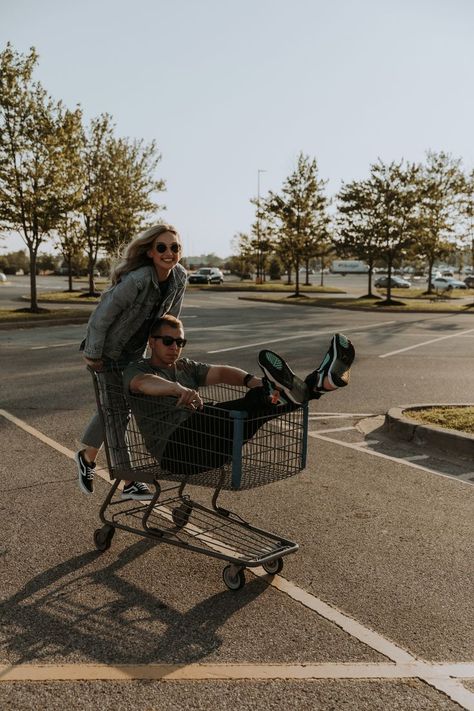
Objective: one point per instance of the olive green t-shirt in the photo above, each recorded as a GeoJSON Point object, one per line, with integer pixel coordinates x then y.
{"type": "Point", "coordinates": [158, 417]}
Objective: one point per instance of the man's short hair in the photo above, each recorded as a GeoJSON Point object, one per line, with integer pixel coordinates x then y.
{"type": "Point", "coordinates": [166, 320]}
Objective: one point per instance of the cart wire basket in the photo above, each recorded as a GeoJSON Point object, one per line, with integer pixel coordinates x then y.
{"type": "Point", "coordinates": [149, 439]}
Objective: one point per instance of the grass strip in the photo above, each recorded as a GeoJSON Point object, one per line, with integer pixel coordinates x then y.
{"type": "Point", "coordinates": [453, 418]}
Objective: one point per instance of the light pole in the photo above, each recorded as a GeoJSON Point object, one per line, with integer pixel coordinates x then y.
{"type": "Point", "coordinates": [259, 253]}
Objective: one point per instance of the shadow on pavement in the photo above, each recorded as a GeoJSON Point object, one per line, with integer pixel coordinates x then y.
{"type": "Point", "coordinates": [75, 613]}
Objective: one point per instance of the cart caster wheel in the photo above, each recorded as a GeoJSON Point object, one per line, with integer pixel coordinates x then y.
{"type": "Point", "coordinates": [181, 514]}
{"type": "Point", "coordinates": [103, 537]}
{"type": "Point", "coordinates": [234, 581]}
{"type": "Point", "coordinates": [273, 567]}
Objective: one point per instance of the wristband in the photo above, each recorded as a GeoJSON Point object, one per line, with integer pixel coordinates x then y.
{"type": "Point", "coordinates": [247, 379]}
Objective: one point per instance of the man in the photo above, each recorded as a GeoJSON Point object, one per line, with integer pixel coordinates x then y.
{"type": "Point", "coordinates": [187, 436]}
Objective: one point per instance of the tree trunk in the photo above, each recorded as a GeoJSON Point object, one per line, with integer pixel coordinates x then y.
{"type": "Point", "coordinates": [371, 269]}
{"type": "Point", "coordinates": [306, 265]}
{"type": "Point", "coordinates": [69, 272]}
{"type": "Point", "coordinates": [321, 281]}
{"type": "Point", "coordinates": [297, 278]}
{"type": "Point", "coordinates": [389, 284]}
{"type": "Point", "coordinates": [430, 276]}
{"type": "Point", "coordinates": [33, 291]}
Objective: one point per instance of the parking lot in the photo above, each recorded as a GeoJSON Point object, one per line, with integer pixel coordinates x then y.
{"type": "Point", "coordinates": [373, 612]}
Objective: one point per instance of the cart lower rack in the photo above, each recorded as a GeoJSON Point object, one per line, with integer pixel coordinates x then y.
{"type": "Point", "coordinates": [235, 449]}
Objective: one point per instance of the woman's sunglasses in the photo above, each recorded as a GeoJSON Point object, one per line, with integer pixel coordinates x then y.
{"type": "Point", "coordinates": [161, 247]}
{"type": "Point", "coordinates": [169, 340]}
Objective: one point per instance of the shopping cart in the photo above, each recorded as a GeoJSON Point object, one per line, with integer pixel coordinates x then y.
{"type": "Point", "coordinates": [137, 446]}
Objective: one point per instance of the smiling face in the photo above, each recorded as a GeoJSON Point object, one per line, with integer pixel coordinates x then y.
{"type": "Point", "coordinates": [165, 254]}
{"type": "Point", "coordinates": [163, 356]}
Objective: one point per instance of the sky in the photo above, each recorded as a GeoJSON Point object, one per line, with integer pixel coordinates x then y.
{"type": "Point", "coordinates": [228, 89]}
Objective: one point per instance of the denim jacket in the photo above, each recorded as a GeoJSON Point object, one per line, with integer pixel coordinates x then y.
{"type": "Point", "coordinates": [124, 307]}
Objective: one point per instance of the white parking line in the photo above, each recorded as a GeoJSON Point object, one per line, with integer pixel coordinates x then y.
{"type": "Point", "coordinates": [359, 447]}
{"type": "Point", "coordinates": [339, 415]}
{"type": "Point", "coordinates": [336, 429]}
{"type": "Point", "coordinates": [440, 676]}
{"type": "Point", "coordinates": [426, 343]}
{"type": "Point", "coordinates": [54, 345]}
{"type": "Point", "coordinates": [304, 334]}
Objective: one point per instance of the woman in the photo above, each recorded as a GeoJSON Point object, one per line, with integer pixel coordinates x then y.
{"type": "Point", "coordinates": [146, 284]}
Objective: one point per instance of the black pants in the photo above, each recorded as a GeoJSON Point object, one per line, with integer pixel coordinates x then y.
{"type": "Point", "coordinates": [205, 440]}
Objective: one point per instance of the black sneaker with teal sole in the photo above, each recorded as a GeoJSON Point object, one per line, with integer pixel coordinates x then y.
{"type": "Point", "coordinates": [137, 490]}
{"type": "Point", "coordinates": [282, 378]}
{"type": "Point", "coordinates": [335, 366]}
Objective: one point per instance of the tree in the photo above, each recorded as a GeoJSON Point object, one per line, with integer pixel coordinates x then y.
{"type": "Point", "coordinates": [300, 215]}
{"type": "Point", "coordinates": [441, 186]}
{"type": "Point", "coordinates": [33, 133]}
{"type": "Point", "coordinates": [132, 164]}
{"type": "Point", "coordinates": [118, 184]}
{"type": "Point", "coordinates": [70, 240]}
{"type": "Point", "coordinates": [467, 210]}
{"type": "Point", "coordinates": [246, 253]}
{"type": "Point", "coordinates": [357, 224]}
{"type": "Point", "coordinates": [379, 217]}
{"type": "Point", "coordinates": [396, 187]}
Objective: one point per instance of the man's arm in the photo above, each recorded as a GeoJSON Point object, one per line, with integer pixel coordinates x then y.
{"type": "Point", "coordinates": [227, 375]}
{"type": "Point", "coordinates": [148, 384]}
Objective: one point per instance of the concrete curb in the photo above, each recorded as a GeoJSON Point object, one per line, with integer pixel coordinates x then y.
{"type": "Point", "coordinates": [389, 309]}
{"type": "Point", "coordinates": [460, 444]}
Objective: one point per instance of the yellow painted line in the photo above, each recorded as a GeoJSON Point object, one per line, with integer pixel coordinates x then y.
{"type": "Point", "coordinates": [440, 676]}
{"type": "Point", "coordinates": [185, 672]}
{"type": "Point", "coordinates": [47, 440]}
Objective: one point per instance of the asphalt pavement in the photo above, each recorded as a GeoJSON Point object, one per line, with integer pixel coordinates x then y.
{"type": "Point", "coordinates": [375, 611]}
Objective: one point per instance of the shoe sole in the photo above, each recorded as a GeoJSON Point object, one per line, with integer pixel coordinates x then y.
{"type": "Point", "coordinates": [289, 376]}
{"type": "Point", "coordinates": [82, 486]}
{"type": "Point", "coordinates": [336, 356]}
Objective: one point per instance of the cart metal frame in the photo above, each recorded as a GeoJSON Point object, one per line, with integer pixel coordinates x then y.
{"type": "Point", "coordinates": [172, 516]}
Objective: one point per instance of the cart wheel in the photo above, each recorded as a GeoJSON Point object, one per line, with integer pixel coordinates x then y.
{"type": "Point", "coordinates": [273, 567]}
{"type": "Point", "coordinates": [234, 581]}
{"type": "Point", "coordinates": [103, 537]}
{"type": "Point", "coordinates": [181, 514]}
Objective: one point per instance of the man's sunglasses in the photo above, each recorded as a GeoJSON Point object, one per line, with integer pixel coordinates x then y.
{"type": "Point", "coordinates": [161, 247]}
{"type": "Point", "coordinates": [169, 340]}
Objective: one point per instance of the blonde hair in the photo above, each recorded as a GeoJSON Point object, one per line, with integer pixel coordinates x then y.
{"type": "Point", "coordinates": [135, 253]}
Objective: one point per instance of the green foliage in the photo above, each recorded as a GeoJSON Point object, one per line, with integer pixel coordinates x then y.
{"type": "Point", "coordinates": [298, 216]}
{"type": "Point", "coordinates": [441, 189]}
{"type": "Point", "coordinates": [35, 136]}
{"type": "Point", "coordinates": [12, 262]}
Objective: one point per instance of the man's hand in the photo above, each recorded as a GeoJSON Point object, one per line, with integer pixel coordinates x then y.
{"type": "Point", "coordinates": [188, 398]}
{"type": "Point", "coordinates": [96, 364]}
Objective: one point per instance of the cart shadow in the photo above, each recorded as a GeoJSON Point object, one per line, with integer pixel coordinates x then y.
{"type": "Point", "coordinates": [74, 613]}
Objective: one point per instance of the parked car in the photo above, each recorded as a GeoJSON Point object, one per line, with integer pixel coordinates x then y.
{"type": "Point", "coordinates": [447, 284]}
{"type": "Point", "coordinates": [469, 281]}
{"type": "Point", "coordinates": [447, 273]}
{"type": "Point", "coordinates": [2, 277]}
{"type": "Point", "coordinates": [206, 275]}
{"type": "Point", "coordinates": [396, 282]}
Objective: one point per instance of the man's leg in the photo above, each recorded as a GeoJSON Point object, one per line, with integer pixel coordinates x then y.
{"type": "Point", "coordinates": [332, 373]}
{"type": "Point", "coordinates": [205, 440]}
